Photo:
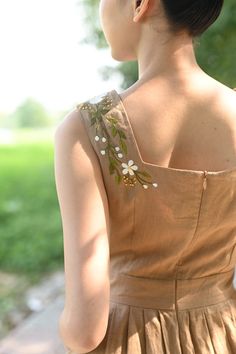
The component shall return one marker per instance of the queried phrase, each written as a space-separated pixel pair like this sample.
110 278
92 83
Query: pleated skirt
148 317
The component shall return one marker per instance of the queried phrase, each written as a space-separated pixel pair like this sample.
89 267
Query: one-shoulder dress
172 245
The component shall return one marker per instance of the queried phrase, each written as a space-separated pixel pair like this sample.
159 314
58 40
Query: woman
146 182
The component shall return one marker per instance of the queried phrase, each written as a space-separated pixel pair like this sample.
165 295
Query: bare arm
84 211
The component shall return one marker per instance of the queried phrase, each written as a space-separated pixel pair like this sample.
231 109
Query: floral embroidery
126 171
130 168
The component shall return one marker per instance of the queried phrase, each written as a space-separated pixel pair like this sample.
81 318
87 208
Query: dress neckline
227 171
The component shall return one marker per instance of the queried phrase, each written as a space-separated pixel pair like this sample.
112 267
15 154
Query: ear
140 8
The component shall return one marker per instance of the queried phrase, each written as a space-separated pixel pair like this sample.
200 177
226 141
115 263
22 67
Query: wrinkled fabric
172 245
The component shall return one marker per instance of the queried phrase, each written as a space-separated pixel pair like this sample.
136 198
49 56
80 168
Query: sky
41 56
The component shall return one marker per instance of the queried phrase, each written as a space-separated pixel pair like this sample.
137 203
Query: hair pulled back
195 16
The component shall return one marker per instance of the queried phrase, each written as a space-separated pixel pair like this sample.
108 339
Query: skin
85 221
173 102
173 107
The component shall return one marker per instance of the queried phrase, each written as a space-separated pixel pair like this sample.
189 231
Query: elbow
74 341
77 348
78 345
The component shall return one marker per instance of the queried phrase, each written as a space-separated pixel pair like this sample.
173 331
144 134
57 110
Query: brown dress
172 245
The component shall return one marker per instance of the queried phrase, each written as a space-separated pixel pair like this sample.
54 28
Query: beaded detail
124 169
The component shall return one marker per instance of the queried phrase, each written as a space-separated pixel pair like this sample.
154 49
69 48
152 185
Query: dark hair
195 16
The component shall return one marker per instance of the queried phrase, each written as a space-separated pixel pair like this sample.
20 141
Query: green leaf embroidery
99 108
144 173
124 146
122 134
114 131
111 168
118 178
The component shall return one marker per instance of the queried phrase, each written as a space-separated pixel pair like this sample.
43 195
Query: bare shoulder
225 98
71 127
227 91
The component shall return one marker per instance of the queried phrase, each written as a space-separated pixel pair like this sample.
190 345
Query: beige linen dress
172 245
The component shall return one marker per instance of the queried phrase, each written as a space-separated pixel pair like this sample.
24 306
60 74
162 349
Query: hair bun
195 16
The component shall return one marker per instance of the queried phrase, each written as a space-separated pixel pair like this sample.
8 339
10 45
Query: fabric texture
172 245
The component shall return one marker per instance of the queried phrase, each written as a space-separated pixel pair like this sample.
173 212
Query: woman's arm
85 221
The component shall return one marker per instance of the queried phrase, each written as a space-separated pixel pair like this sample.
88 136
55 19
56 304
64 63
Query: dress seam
194 237
176 309
172 279
133 232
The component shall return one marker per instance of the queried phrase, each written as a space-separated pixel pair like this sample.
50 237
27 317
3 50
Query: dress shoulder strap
107 132
111 137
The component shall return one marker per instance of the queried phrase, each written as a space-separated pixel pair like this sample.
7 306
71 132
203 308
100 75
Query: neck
171 58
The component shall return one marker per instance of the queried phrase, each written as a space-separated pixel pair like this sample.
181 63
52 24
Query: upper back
190 128
159 216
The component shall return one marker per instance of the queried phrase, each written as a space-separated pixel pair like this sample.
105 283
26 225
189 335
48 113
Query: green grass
31 241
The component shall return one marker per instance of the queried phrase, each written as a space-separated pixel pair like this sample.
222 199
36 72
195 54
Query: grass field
30 227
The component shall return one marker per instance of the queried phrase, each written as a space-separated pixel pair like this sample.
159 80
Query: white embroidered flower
117 148
129 168
145 186
103 152
104 139
96 138
155 185
120 155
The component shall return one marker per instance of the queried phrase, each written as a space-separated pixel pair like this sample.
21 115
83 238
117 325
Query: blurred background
54 56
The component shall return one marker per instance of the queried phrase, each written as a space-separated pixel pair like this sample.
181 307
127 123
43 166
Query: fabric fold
136 330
